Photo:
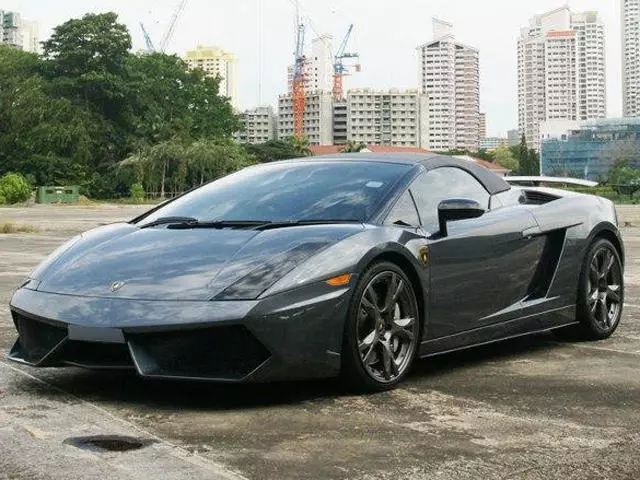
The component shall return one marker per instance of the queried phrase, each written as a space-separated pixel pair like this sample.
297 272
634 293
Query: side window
404 211
441 183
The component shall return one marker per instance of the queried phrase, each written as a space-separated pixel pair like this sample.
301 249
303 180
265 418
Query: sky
386 35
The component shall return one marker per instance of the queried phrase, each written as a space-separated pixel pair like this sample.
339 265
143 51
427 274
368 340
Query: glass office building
590 151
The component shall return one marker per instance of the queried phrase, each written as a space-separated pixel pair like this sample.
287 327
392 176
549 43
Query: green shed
57 194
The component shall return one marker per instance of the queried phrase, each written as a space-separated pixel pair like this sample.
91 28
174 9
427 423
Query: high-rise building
386 117
630 57
216 63
18 32
259 125
450 80
318 117
10 31
317 69
30 36
561 70
482 126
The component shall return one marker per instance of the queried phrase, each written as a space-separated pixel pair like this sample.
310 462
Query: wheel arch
608 231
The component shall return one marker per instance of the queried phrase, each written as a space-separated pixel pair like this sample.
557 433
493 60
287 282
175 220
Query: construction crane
168 34
172 25
339 69
147 39
298 79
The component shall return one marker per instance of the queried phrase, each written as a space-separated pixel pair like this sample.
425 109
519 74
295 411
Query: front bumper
292 335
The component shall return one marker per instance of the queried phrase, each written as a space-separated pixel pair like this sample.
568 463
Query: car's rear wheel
600 292
382 331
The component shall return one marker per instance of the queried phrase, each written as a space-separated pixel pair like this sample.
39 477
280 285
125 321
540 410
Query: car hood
124 261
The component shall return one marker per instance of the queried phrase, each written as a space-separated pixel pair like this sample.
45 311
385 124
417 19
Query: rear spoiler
538 181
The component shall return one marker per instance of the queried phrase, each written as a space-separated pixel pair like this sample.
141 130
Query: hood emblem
115 286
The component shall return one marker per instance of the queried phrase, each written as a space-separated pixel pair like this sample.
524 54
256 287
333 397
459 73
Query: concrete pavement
534 408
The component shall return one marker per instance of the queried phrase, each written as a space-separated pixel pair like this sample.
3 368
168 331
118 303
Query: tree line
90 112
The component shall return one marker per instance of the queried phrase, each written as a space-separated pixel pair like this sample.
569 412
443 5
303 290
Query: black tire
600 294
379 348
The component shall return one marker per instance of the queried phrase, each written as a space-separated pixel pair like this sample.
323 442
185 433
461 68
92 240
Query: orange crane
298 79
339 69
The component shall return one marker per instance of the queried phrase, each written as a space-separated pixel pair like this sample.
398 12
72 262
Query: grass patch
10 227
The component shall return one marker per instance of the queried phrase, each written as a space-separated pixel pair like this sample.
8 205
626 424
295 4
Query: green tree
624 178
213 159
271 150
73 114
173 101
522 154
503 157
85 63
300 146
353 147
14 188
533 162
623 174
136 191
482 154
47 138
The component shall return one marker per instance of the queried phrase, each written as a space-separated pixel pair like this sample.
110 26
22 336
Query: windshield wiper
295 223
184 223
168 220
217 224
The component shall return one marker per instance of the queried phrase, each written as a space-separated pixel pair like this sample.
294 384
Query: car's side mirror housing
457 209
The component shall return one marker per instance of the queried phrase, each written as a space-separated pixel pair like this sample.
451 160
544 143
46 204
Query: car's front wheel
382 332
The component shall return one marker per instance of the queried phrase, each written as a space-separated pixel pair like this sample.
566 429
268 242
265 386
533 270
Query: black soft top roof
492 182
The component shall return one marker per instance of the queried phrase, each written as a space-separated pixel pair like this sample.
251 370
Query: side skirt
544 322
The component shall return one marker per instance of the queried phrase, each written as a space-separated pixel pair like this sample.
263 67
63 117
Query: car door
484 266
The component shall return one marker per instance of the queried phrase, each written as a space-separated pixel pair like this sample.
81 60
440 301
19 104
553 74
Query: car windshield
289 192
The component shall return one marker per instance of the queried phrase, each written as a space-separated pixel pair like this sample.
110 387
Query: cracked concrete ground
534 408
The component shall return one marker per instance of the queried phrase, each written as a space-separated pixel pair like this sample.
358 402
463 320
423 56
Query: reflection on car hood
124 261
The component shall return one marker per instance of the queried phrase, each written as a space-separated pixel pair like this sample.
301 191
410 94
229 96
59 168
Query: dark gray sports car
353 264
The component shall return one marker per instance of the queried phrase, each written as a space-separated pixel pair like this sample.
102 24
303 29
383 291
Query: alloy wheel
387 326
604 288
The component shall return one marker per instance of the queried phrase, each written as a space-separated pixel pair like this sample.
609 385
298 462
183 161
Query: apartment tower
561 71
450 80
216 63
630 57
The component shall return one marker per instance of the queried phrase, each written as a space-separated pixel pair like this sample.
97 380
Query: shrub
14 188
136 191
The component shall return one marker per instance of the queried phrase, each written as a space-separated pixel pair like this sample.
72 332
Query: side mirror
457 209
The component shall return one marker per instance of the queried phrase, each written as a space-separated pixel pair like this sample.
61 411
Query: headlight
252 285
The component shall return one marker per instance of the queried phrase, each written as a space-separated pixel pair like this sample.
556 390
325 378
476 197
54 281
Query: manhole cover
107 443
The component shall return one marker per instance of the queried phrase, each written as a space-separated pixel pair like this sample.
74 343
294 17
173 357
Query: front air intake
37 341
219 353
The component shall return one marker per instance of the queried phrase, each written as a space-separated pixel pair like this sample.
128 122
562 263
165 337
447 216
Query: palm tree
301 146
353 147
156 160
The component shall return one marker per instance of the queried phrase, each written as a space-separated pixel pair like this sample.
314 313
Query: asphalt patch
107 443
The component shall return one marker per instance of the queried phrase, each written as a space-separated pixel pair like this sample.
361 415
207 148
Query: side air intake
534 197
